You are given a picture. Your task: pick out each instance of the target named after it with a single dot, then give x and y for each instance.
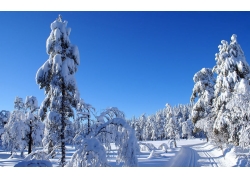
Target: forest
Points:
(218, 112)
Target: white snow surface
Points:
(189, 153)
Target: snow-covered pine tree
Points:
(14, 135)
(171, 127)
(238, 110)
(36, 127)
(4, 117)
(187, 129)
(231, 68)
(56, 77)
(160, 125)
(204, 91)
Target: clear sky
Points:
(136, 61)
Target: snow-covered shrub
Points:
(38, 155)
(124, 139)
(110, 127)
(91, 153)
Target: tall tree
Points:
(204, 91)
(231, 68)
(56, 77)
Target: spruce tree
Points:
(231, 68)
(56, 77)
(204, 92)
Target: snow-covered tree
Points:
(160, 125)
(84, 111)
(187, 128)
(171, 127)
(32, 120)
(4, 117)
(14, 137)
(24, 129)
(91, 153)
(238, 112)
(56, 77)
(142, 124)
(231, 68)
(204, 91)
(110, 127)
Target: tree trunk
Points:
(30, 139)
(50, 149)
(63, 126)
(88, 122)
(206, 136)
(21, 154)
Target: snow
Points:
(34, 163)
(189, 153)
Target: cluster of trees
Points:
(168, 123)
(22, 128)
(63, 116)
(221, 97)
(219, 108)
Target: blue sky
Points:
(136, 61)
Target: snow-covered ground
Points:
(189, 153)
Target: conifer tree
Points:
(231, 68)
(204, 91)
(56, 77)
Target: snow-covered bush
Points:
(110, 127)
(91, 153)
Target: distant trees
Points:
(56, 77)
(167, 123)
(23, 129)
(171, 127)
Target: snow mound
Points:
(146, 146)
(154, 154)
(34, 163)
(163, 147)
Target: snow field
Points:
(189, 153)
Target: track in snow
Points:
(186, 157)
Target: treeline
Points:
(168, 123)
